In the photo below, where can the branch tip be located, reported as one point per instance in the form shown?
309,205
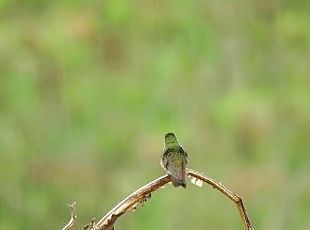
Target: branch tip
73,216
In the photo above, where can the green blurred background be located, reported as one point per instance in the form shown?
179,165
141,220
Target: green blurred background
89,88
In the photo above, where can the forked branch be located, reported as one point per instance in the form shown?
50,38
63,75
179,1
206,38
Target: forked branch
143,193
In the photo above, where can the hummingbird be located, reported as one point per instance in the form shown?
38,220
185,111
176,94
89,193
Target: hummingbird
174,160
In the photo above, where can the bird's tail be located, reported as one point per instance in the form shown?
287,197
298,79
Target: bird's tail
179,179
177,183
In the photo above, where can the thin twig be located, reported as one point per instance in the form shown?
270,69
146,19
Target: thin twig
71,222
90,225
231,195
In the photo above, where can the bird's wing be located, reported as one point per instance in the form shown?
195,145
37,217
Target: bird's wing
165,160
184,154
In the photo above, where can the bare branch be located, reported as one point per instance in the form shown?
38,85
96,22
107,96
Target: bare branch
231,195
143,193
71,222
107,222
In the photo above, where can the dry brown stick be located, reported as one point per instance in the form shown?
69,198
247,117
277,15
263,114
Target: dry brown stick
72,217
231,195
107,222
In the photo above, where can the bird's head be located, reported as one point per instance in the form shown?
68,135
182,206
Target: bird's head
171,140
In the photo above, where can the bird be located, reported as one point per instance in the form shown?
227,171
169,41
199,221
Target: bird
174,160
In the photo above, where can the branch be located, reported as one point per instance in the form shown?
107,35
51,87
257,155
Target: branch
143,193
71,222
129,203
231,195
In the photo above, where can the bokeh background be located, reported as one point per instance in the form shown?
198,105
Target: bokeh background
89,88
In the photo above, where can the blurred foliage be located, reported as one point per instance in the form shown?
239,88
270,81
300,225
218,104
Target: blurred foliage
88,89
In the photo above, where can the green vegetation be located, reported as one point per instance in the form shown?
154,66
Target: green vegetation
89,88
